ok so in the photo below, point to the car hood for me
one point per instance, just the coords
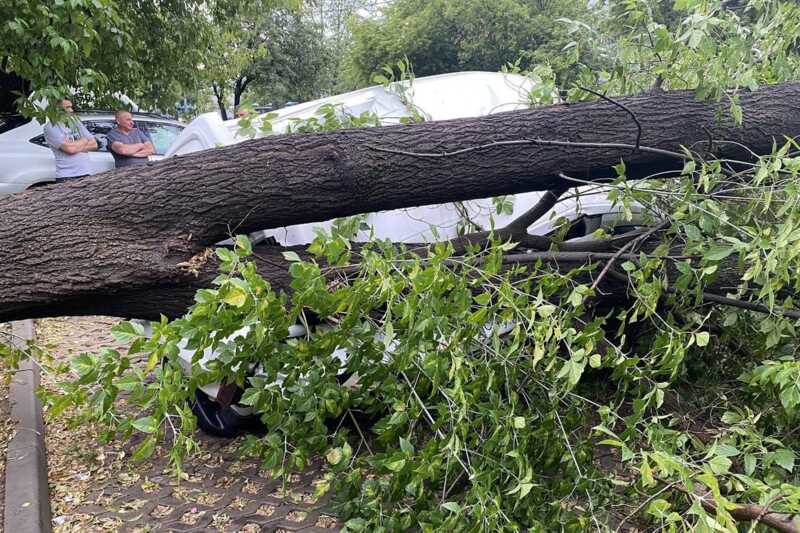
(443, 97)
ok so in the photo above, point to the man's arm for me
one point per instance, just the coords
(90, 141)
(55, 137)
(91, 144)
(75, 147)
(126, 149)
(146, 150)
(147, 144)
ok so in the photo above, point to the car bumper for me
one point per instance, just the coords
(8, 188)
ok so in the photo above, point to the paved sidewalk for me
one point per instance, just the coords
(98, 488)
(218, 493)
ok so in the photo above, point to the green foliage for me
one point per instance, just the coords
(275, 55)
(151, 51)
(298, 64)
(701, 45)
(438, 36)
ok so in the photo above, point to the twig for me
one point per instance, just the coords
(579, 257)
(538, 142)
(624, 108)
(629, 245)
(710, 140)
(772, 501)
(644, 504)
(548, 200)
(732, 302)
(432, 422)
(711, 298)
(358, 428)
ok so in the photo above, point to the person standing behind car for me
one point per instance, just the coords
(128, 144)
(70, 142)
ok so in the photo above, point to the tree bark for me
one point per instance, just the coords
(112, 243)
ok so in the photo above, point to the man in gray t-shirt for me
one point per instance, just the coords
(70, 142)
(128, 144)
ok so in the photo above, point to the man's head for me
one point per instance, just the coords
(66, 105)
(124, 119)
(240, 112)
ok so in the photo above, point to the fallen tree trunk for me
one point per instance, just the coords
(112, 243)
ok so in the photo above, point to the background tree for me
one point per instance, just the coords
(150, 51)
(439, 36)
(299, 62)
(336, 18)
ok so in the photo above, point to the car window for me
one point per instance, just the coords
(161, 134)
(9, 122)
(39, 139)
(100, 129)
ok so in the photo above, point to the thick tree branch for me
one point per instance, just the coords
(782, 522)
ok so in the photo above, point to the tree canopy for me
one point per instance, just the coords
(149, 51)
(440, 36)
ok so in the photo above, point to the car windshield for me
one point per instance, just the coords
(161, 134)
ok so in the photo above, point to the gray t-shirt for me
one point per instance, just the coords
(132, 137)
(68, 165)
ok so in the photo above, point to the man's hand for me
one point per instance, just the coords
(91, 143)
(146, 149)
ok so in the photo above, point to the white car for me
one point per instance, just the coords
(448, 96)
(28, 161)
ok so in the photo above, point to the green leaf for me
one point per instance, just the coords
(250, 396)
(784, 458)
(749, 464)
(146, 424)
(243, 245)
(356, 524)
(334, 456)
(396, 466)
(126, 331)
(519, 422)
(235, 296)
(701, 338)
(291, 256)
(720, 465)
(483, 298)
(83, 364)
(453, 507)
(726, 450)
(225, 255)
(406, 445)
(145, 449)
(717, 253)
